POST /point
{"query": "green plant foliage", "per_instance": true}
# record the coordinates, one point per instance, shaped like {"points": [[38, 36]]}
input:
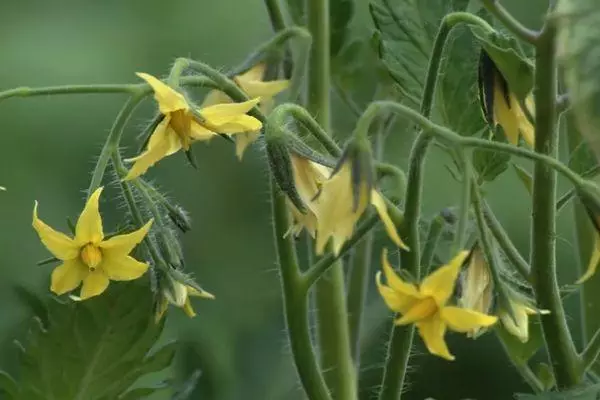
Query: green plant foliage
{"points": [[506, 53], [587, 393], [518, 351], [579, 53], [490, 164], [94, 350], [525, 177], [340, 13]]}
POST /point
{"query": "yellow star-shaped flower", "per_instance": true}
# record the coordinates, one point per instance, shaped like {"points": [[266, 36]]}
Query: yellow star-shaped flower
{"points": [[179, 296], [88, 257], [180, 125], [426, 305], [253, 84]]}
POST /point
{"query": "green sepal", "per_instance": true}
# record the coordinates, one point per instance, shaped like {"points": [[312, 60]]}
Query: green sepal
{"points": [[504, 51], [149, 130], [518, 351], [358, 153], [191, 158], [525, 177], [280, 164]]}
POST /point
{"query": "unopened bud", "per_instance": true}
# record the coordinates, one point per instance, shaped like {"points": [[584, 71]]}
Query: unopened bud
{"points": [[281, 167]]}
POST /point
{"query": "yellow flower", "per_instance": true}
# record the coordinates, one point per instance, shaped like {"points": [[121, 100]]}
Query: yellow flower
{"points": [[253, 84], [595, 258], [518, 323], [501, 106], [476, 286], [337, 212], [425, 305], [88, 257], [179, 295], [180, 127]]}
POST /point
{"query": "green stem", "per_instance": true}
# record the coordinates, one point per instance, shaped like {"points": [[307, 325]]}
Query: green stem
{"points": [[497, 10], [436, 228], [275, 15], [559, 344], [465, 204], [591, 352], [296, 302], [333, 334], [113, 139], [505, 243]]}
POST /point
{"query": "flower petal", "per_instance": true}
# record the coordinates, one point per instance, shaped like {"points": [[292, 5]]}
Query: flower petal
{"points": [[525, 126], [89, 224], [240, 124], [516, 324], [60, 245], [163, 142], [188, 309], [94, 284], [124, 244], [390, 228], [198, 132], [215, 97], [256, 73], [432, 332], [221, 114], [395, 301], [68, 276], [465, 320], [169, 100], [420, 310], [242, 141], [440, 283], [395, 282], [123, 268], [192, 291], [264, 90], [504, 113], [593, 264]]}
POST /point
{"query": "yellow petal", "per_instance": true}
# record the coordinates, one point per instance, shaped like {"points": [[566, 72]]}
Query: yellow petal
{"points": [[188, 309], [221, 114], [89, 224], [163, 142], [215, 97], [192, 291], [169, 100], [60, 245], [200, 133], [432, 332], [593, 264], [517, 324], [68, 276], [122, 245], [464, 320], [390, 228], [161, 308], [395, 301], [525, 127], [242, 141], [256, 73], [420, 310], [440, 283], [504, 113], [264, 90], [94, 284], [395, 282], [123, 268], [240, 124]]}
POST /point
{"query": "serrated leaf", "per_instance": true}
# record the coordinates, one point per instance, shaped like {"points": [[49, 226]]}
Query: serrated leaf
{"points": [[408, 29], [340, 15], [95, 349], [584, 393], [504, 50], [518, 351], [490, 164], [579, 53], [525, 177], [457, 85]]}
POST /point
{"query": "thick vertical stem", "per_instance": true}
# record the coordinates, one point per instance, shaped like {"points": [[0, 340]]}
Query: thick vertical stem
{"points": [[333, 333], [295, 303], [559, 344]]}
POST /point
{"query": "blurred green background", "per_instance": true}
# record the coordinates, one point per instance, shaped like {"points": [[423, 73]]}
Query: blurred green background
{"points": [[48, 146]]}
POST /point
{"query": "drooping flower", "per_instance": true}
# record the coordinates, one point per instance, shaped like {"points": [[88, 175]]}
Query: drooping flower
{"points": [[88, 257], [476, 286], [517, 324], [182, 124], [337, 210], [253, 84], [178, 294], [501, 106], [426, 306]]}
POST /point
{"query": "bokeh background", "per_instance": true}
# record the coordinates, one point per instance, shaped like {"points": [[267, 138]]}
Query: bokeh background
{"points": [[48, 146]]}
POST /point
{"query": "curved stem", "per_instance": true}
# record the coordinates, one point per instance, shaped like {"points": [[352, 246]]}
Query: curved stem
{"points": [[113, 139], [559, 344], [295, 302], [497, 10], [275, 14], [465, 203]]}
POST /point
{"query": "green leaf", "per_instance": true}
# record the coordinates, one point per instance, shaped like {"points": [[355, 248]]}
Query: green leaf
{"points": [[297, 11], [545, 375], [8, 386], [524, 177], [340, 15], [95, 349], [509, 59], [591, 392], [143, 393], [457, 85], [579, 53], [490, 164], [185, 390], [407, 31], [582, 159], [518, 351]]}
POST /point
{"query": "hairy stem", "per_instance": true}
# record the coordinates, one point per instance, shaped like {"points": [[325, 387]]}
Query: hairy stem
{"points": [[559, 344], [497, 10]]}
